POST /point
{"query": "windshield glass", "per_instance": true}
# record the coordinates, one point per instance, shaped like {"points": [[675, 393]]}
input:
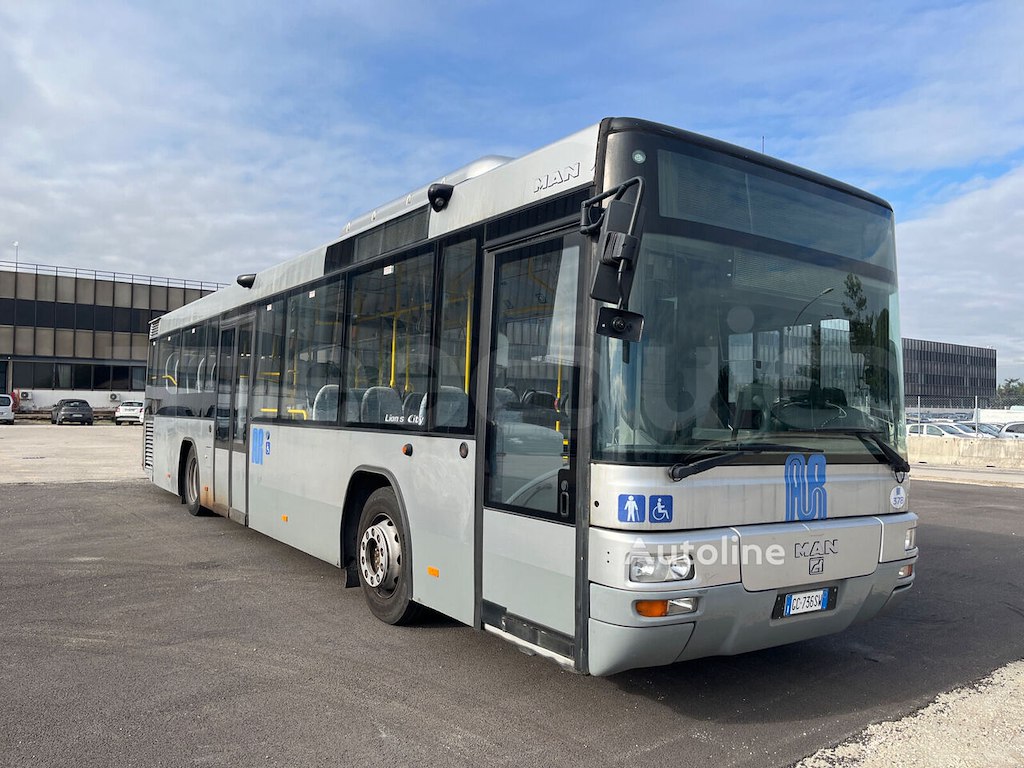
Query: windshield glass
{"points": [[770, 305]]}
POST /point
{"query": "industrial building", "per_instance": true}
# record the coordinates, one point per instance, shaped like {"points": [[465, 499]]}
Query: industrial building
{"points": [[67, 332], [941, 375]]}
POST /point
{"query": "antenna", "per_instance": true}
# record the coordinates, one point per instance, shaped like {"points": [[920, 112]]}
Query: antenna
{"points": [[762, 145]]}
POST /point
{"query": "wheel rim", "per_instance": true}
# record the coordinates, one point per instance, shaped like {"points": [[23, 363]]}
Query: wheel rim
{"points": [[380, 555], [192, 481]]}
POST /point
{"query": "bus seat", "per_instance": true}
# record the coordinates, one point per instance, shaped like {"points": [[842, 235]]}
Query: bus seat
{"points": [[539, 408], [325, 405], [320, 374], [833, 395], [381, 405], [452, 409], [503, 396], [411, 406], [752, 407], [506, 406], [353, 404]]}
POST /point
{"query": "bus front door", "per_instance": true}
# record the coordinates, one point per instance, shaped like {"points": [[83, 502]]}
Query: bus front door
{"points": [[528, 563], [231, 430]]}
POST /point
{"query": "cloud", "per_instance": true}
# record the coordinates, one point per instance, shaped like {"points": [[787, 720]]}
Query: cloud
{"points": [[962, 269], [201, 140], [953, 100]]}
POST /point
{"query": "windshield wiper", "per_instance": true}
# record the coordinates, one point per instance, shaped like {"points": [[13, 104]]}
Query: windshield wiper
{"points": [[685, 469], [892, 456]]}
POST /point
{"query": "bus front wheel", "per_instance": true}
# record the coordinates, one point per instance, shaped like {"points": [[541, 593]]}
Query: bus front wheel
{"points": [[384, 565]]}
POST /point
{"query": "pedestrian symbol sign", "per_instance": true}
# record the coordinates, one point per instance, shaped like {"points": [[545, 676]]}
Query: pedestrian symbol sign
{"points": [[632, 507]]}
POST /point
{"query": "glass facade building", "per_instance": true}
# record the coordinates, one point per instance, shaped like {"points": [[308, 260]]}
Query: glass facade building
{"points": [[941, 375], [66, 331]]}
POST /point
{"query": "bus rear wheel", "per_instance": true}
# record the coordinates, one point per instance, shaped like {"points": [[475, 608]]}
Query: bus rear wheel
{"points": [[190, 483], [384, 566]]}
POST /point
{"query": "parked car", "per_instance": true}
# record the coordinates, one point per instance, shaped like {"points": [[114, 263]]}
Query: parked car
{"points": [[935, 430], [6, 409], [966, 428], [974, 430], [71, 411], [1014, 429], [992, 430], [129, 412]]}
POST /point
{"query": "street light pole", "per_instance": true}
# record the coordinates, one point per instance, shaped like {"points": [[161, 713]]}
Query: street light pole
{"points": [[15, 255]]}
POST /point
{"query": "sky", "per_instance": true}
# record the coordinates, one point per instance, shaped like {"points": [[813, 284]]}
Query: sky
{"points": [[202, 140]]}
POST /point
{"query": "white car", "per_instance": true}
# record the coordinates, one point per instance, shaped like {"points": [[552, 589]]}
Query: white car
{"points": [[1014, 429], [935, 430], [6, 409], [129, 412]]}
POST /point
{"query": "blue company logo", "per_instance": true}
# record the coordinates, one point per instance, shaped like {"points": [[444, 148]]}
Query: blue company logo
{"points": [[632, 507], [260, 444], [806, 498]]}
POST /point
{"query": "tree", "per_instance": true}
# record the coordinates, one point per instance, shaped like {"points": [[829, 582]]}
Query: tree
{"points": [[1010, 392]]}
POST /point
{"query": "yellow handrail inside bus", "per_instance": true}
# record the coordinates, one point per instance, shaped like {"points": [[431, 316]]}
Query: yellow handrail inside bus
{"points": [[469, 329]]}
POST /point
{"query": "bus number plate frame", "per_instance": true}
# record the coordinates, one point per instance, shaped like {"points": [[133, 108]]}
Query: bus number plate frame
{"points": [[800, 603]]}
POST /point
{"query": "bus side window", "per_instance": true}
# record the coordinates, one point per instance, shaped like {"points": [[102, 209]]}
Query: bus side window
{"points": [[270, 341], [312, 354], [388, 368], [452, 400]]}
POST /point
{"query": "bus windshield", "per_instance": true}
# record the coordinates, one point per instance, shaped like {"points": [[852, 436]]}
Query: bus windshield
{"points": [[771, 314]]}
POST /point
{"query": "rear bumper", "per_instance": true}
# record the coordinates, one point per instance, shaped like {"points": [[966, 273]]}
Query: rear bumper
{"points": [[728, 620]]}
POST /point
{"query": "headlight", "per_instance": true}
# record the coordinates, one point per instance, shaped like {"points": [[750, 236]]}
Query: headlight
{"points": [[911, 539], [647, 569]]}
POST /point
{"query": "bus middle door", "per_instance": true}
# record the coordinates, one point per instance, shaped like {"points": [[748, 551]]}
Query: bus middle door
{"points": [[231, 424]]}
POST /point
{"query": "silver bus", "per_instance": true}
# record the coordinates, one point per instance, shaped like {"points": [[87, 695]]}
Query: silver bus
{"points": [[630, 399]]}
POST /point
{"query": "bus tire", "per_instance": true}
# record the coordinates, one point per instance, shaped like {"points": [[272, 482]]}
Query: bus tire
{"points": [[383, 562], [190, 483]]}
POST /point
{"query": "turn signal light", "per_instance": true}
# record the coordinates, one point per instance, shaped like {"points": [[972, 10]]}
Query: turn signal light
{"points": [[654, 609], [905, 572]]}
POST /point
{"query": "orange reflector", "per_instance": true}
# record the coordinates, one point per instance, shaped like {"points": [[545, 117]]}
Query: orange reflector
{"points": [[432, 571], [407, 449], [651, 608], [284, 518]]}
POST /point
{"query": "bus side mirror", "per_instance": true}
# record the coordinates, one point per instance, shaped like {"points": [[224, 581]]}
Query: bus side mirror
{"points": [[617, 250]]}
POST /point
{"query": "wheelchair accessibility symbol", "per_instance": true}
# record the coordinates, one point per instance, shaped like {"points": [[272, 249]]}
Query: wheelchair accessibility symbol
{"points": [[660, 509]]}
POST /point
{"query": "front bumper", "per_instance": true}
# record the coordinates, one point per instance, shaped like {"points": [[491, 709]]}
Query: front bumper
{"points": [[728, 620]]}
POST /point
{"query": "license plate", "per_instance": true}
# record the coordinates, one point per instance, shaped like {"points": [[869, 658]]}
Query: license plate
{"points": [[795, 603]]}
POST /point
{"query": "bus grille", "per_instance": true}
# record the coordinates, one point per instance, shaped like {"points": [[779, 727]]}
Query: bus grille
{"points": [[147, 447]]}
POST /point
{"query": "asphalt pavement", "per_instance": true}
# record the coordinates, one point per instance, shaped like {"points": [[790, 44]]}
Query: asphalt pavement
{"points": [[134, 634]]}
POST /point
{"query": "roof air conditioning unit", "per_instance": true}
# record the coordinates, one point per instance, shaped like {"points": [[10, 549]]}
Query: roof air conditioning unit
{"points": [[26, 395]]}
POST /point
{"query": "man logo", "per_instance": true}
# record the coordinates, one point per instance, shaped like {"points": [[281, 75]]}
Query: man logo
{"points": [[806, 498], [816, 566]]}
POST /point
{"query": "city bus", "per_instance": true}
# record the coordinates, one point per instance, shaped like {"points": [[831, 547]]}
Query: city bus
{"points": [[630, 399]]}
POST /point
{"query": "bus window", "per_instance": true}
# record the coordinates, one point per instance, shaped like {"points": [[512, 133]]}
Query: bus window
{"points": [[312, 364], [388, 370], [452, 404], [267, 365]]}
